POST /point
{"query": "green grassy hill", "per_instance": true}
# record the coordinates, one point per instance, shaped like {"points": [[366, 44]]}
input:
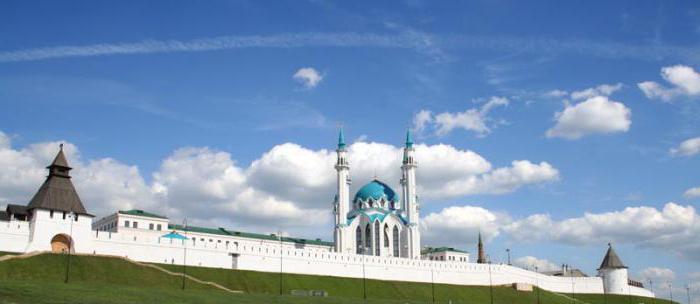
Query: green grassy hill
{"points": [[40, 279]]}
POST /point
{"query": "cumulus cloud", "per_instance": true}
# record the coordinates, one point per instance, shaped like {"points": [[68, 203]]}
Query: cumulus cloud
{"points": [[475, 119], [601, 90], [103, 184], [688, 147], [459, 225], [683, 80], [309, 78], [596, 115], [530, 262], [289, 185], [692, 192], [657, 273], [674, 226]]}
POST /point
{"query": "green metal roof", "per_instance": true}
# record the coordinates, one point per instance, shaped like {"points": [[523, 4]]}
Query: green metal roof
{"points": [[270, 237], [141, 213], [427, 250]]}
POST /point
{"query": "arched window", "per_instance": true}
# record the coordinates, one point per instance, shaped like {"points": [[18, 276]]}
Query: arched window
{"points": [[376, 238], [358, 239], [396, 241], [368, 240], [386, 235]]}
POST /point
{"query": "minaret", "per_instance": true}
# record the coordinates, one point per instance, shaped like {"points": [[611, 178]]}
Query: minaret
{"points": [[410, 199], [341, 204], [481, 259]]}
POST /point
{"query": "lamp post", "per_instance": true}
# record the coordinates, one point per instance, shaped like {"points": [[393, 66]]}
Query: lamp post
{"points": [[508, 252], [279, 236], [670, 290], [687, 290], [537, 283], [432, 282], [184, 253], [651, 287], [364, 277], [490, 281], [70, 244], [573, 293]]}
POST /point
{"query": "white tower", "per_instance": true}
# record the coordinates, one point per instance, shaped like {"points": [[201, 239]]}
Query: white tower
{"points": [[614, 274], [341, 205], [410, 199]]}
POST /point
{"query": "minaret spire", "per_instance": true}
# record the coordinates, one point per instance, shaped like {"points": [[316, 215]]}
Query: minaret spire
{"points": [[409, 139], [341, 139]]}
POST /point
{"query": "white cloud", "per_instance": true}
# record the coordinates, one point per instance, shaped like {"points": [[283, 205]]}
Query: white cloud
{"points": [[530, 262], [675, 226], [289, 185], [657, 273], [421, 120], [601, 90], [684, 81], [556, 93], [425, 43], [104, 184], [308, 77], [688, 147], [459, 225], [474, 119], [596, 115], [692, 192]]}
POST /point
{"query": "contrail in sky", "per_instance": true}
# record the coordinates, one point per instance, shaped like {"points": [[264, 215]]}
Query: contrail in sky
{"points": [[434, 46]]}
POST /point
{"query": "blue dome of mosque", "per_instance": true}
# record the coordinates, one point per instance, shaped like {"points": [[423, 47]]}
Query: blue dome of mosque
{"points": [[376, 190]]}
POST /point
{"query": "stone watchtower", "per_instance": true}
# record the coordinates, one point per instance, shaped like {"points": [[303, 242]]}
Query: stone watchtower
{"points": [[614, 273]]}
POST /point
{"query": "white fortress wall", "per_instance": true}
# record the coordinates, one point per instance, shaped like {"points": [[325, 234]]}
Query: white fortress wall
{"points": [[264, 255], [14, 236]]}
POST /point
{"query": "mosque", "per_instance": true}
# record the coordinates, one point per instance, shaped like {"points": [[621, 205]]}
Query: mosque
{"points": [[376, 235]]}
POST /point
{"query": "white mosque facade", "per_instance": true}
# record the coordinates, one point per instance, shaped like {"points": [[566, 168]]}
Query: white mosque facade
{"points": [[376, 236]]}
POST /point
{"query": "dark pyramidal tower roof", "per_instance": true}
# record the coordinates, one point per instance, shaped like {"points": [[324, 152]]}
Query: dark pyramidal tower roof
{"points": [[611, 260], [57, 192]]}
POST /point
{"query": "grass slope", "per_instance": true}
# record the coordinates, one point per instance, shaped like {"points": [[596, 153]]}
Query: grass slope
{"points": [[40, 279]]}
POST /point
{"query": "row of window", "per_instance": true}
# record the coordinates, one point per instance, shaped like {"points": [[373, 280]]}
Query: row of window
{"points": [[449, 258], [108, 226], [65, 215], [135, 224]]}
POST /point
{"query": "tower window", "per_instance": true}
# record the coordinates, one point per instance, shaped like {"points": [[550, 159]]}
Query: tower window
{"points": [[358, 240], [51, 213], [396, 241], [126, 223], [150, 226], [376, 238]]}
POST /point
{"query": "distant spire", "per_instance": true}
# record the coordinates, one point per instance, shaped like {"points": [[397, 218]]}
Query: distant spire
{"points": [[481, 259], [341, 139], [409, 139]]}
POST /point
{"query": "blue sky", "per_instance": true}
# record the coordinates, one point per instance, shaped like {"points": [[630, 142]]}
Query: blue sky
{"points": [[132, 83]]}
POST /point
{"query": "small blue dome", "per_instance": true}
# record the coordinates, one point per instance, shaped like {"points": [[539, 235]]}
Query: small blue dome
{"points": [[376, 190]]}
